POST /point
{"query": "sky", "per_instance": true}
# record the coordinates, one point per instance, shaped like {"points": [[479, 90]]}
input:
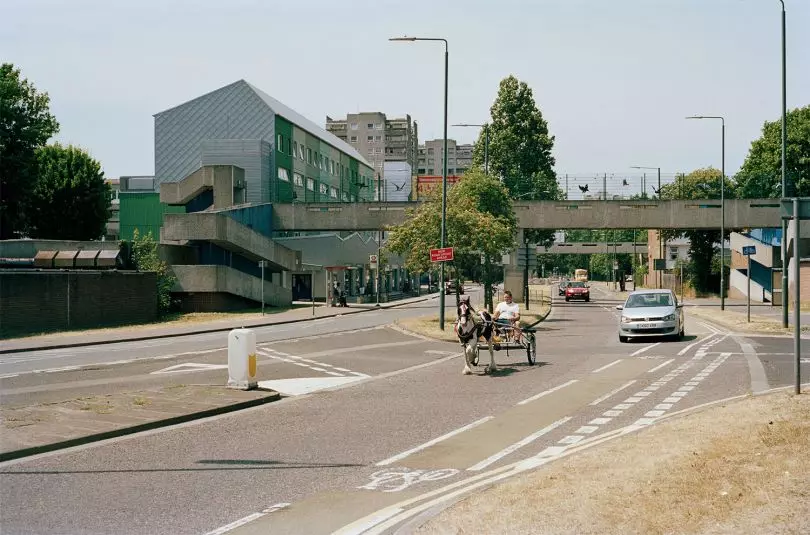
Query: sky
{"points": [[614, 79]]}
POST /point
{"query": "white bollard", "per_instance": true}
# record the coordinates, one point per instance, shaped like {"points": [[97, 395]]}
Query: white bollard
{"points": [[242, 359]]}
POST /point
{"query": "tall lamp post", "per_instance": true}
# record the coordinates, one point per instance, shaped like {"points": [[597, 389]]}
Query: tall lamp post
{"points": [[722, 205], [660, 241], [486, 142], [784, 183], [444, 171]]}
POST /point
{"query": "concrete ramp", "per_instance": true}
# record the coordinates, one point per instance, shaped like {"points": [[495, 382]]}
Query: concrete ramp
{"points": [[229, 234], [226, 181], [224, 279]]}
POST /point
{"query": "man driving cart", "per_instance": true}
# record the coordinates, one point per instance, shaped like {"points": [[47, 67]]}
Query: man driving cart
{"points": [[507, 314]]}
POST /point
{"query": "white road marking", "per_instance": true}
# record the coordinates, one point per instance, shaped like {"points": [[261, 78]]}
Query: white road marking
{"points": [[306, 385], [400, 456], [693, 344], [600, 421], [643, 349], [517, 445], [373, 520], [759, 379], [586, 429], [190, 367], [606, 366], [597, 401], [250, 518], [547, 392], [571, 439], [661, 366]]}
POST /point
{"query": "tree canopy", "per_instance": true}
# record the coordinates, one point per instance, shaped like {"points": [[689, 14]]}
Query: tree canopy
{"points": [[71, 200], [25, 124], [761, 174]]}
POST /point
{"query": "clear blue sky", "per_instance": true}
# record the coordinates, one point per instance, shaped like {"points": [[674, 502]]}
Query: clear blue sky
{"points": [[614, 78]]}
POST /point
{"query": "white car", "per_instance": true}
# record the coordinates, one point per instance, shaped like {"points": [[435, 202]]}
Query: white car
{"points": [[651, 313]]}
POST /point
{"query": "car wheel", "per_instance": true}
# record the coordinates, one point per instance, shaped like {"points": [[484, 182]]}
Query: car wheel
{"points": [[622, 339], [587, 299], [567, 299]]}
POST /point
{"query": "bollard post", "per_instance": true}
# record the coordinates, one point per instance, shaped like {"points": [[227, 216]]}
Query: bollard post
{"points": [[242, 359]]}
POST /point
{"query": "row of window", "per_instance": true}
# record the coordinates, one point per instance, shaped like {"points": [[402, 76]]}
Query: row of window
{"points": [[369, 126], [369, 139], [305, 154], [309, 183], [434, 172]]}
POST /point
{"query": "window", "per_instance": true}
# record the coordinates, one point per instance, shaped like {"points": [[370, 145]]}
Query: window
{"points": [[283, 174], [280, 143], [310, 184], [378, 150], [309, 155], [324, 189], [295, 148], [353, 126], [421, 171], [378, 126], [333, 193], [370, 139], [354, 139], [298, 180], [377, 138], [346, 196], [301, 152], [369, 126]]}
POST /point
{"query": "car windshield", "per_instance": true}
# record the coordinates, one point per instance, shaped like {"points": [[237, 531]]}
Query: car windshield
{"points": [[576, 284], [649, 300]]}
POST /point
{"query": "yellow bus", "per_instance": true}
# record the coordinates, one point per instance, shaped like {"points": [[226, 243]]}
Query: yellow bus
{"points": [[581, 275]]}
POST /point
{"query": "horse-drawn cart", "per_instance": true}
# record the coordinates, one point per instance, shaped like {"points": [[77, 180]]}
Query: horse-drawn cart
{"points": [[514, 338]]}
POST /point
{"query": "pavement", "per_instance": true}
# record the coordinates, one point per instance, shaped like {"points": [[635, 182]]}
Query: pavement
{"points": [[38, 420]]}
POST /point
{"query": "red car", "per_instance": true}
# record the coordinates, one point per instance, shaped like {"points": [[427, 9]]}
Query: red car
{"points": [[577, 290]]}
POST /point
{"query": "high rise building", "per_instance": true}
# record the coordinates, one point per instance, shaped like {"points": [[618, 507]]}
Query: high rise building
{"points": [[378, 138], [431, 158]]}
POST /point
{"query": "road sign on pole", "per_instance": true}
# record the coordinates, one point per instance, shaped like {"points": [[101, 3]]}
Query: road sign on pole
{"points": [[748, 250], [445, 254], [372, 259]]}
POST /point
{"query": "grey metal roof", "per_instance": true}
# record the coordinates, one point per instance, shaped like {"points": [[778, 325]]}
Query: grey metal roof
{"points": [[305, 124]]}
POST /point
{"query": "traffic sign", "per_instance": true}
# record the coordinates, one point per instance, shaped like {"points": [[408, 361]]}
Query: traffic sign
{"points": [[372, 259], [749, 250], [523, 259], [659, 264], [444, 254]]}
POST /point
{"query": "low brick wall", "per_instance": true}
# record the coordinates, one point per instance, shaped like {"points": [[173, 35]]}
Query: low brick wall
{"points": [[45, 301]]}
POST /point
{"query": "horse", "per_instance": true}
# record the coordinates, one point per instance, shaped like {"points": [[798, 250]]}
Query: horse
{"points": [[468, 333]]}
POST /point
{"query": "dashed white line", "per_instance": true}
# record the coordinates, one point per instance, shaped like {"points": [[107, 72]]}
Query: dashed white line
{"points": [[666, 363], [693, 344], [547, 392], [597, 401], [643, 349], [606, 366], [400, 456]]}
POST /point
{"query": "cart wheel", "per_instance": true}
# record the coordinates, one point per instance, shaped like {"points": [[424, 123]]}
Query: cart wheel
{"points": [[476, 356], [531, 350]]}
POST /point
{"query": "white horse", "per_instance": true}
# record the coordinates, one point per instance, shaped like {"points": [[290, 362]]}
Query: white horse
{"points": [[468, 332]]}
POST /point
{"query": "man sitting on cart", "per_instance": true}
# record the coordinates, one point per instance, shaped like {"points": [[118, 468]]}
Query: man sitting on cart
{"points": [[507, 314]]}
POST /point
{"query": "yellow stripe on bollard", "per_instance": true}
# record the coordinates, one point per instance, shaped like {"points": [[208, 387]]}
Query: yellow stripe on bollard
{"points": [[252, 365]]}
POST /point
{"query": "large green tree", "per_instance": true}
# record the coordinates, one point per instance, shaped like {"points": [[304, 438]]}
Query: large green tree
{"points": [[699, 184], [520, 148], [25, 124], [761, 174], [480, 220], [71, 200]]}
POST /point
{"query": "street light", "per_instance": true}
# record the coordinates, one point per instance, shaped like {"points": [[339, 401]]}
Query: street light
{"points": [[784, 166], [486, 142], [722, 204], [444, 171], [660, 242]]}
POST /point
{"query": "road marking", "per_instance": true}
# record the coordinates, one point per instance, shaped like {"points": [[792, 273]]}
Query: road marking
{"points": [[571, 439], [693, 344], [759, 379], [606, 366], [600, 421], [401, 479], [586, 429], [661, 366], [517, 445], [643, 349], [306, 385], [597, 401], [400, 456], [249, 518], [547, 392], [373, 520], [190, 367]]}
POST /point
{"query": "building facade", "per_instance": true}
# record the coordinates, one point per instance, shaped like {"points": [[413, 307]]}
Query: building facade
{"points": [[431, 158], [378, 138]]}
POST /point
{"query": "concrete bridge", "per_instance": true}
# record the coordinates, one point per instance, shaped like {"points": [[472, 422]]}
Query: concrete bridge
{"points": [[593, 247], [589, 214]]}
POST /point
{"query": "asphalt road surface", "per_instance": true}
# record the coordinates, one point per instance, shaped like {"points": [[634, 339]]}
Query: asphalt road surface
{"points": [[376, 424]]}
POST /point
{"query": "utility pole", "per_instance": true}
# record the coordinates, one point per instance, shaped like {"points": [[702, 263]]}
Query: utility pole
{"points": [[604, 185]]}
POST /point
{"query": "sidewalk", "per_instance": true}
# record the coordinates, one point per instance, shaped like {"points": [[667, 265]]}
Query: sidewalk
{"points": [[132, 333]]}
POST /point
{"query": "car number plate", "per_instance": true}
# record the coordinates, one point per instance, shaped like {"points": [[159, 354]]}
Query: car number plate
{"points": [[646, 325]]}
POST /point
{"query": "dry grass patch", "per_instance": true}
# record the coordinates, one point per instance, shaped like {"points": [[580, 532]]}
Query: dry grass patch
{"points": [[739, 468]]}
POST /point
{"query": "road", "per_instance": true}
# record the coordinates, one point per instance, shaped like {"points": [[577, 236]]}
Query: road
{"points": [[409, 424]]}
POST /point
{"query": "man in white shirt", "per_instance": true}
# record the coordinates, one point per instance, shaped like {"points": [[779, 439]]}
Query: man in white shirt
{"points": [[508, 313]]}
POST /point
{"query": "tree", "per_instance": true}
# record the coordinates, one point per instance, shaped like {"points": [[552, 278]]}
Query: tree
{"points": [[25, 125], [145, 257], [480, 220], [520, 148], [71, 200], [761, 174], [699, 184]]}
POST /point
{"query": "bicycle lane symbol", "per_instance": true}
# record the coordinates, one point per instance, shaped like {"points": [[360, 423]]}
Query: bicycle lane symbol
{"points": [[402, 478]]}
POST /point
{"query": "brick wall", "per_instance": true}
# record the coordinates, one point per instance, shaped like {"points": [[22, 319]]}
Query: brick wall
{"points": [[214, 302], [44, 301]]}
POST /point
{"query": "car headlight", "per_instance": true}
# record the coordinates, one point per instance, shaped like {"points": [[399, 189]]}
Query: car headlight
{"points": [[625, 319], [671, 317]]}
